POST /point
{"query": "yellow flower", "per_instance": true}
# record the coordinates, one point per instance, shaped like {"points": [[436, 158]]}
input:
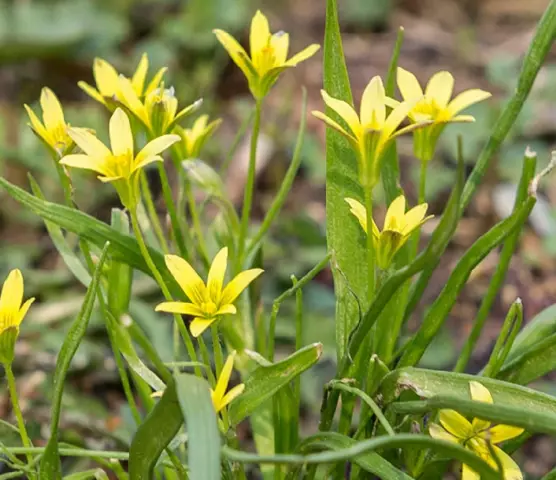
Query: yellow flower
{"points": [[107, 79], [118, 165], [371, 132], [398, 227], [219, 396], [207, 302], [12, 313], [434, 105], [53, 130], [269, 53], [475, 436], [159, 110], [194, 138]]}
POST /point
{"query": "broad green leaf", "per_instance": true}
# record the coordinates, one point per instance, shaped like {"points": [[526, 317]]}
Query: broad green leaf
{"points": [[50, 466], [123, 248], [265, 381], [154, 434], [120, 274], [429, 383], [71, 260], [200, 418], [344, 237]]}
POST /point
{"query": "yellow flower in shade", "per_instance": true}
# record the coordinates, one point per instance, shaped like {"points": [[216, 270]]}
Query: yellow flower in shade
{"points": [[476, 434], [118, 165], [207, 302], [193, 139], [12, 313], [269, 55], [434, 105], [398, 227], [220, 399], [158, 112], [370, 132], [53, 129], [107, 81]]}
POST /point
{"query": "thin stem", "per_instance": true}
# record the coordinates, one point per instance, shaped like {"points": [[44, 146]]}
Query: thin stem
{"points": [[17, 411], [188, 191], [70, 452], [206, 359], [235, 143], [151, 210], [422, 182], [217, 349], [158, 277], [250, 185], [370, 247]]}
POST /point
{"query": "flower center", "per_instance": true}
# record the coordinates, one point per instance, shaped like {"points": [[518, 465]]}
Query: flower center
{"points": [[120, 165], [60, 138], [265, 59], [209, 308]]}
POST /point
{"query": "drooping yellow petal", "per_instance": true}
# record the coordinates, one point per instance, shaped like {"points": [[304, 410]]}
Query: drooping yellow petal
{"points": [[359, 211], [154, 147], [224, 378], [373, 107], [52, 112], [466, 99], [467, 473], [240, 282], [199, 325], [436, 431], [216, 275], [306, 53], [395, 214], [187, 278], [455, 423], [501, 433], [345, 111], [91, 91], [90, 144], [121, 137], [259, 36], [138, 79], [231, 395], [236, 51], [509, 467], [11, 297], [106, 77], [440, 88], [408, 85], [181, 308], [326, 119]]}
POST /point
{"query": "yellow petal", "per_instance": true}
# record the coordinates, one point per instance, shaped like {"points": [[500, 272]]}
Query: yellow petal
{"points": [[121, 137], [280, 42], [259, 35], [199, 325], [11, 298], [501, 433], [224, 378], [228, 309], [359, 211], [106, 77], [37, 125], [467, 473], [344, 110], [23, 310], [396, 117], [90, 144], [240, 282], [154, 147], [306, 53], [155, 82], [414, 217], [408, 85], [395, 215], [132, 101], [216, 274], [326, 119], [479, 393], [146, 161], [187, 278], [236, 52], [466, 99], [455, 423], [231, 395], [436, 431], [179, 307], [78, 160], [138, 79], [373, 107], [52, 112], [92, 92], [509, 467], [440, 88]]}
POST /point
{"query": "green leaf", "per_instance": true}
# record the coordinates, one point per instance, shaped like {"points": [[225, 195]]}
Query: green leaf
{"points": [[429, 383], [50, 466], [124, 248], [71, 260], [196, 406], [539, 328], [344, 237], [120, 274], [154, 434], [265, 381]]}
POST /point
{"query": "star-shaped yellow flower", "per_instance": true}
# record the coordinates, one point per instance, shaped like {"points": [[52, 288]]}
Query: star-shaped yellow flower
{"points": [[207, 302], [220, 399], [434, 105], [372, 130], [12, 313], [194, 138], [118, 165], [398, 227], [269, 54], [475, 436], [53, 129], [107, 79]]}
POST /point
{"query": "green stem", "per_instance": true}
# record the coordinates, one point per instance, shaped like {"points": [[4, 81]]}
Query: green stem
{"points": [[206, 359], [235, 143], [17, 411], [151, 210], [70, 452], [422, 182], [188, 191], [249, 186], [158, 277], [217, 349], [370, 247]]}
